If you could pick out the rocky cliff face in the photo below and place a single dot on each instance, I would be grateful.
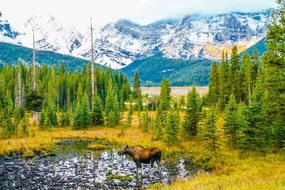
(119, 44)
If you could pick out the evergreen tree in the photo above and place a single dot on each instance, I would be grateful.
(246, 79)
(159, 124)
(274, 61)
(192, 113)
(42, 119)
(222, 83)
(97, 112)
(172, 127)
(252, 132)
(111, 107)
(25, 129)
(255, 66)
(81, 115)
(51, 117)
(145, 121)
(210, 134)
(231, 124)
(137, 85)
(214, 84)
(235, 73)
(165, 97)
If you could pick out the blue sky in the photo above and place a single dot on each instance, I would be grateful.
(78, 12)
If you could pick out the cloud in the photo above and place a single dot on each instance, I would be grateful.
(78, 12)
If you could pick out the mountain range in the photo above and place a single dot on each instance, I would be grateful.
(126, 45)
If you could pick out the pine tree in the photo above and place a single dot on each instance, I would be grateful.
(51, 117)
(210, 134)
(235, 73)
(137, 85)
(192, 113)
(25, 128)
(165, 97)
(145, 121)
(214, 84)
(172, 127)
(252, 132)
(222, 83)
(246, 82)
(255, 66)
(81, 116)
(231, 124)
(159, 124)
(97, 112)
(85, 112)
(274, 61)
(111, 107)
(42, 119)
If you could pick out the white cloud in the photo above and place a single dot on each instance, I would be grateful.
(78, 12)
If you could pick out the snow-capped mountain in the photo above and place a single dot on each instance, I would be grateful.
(50, 35)
(7, 33)
(119, 44)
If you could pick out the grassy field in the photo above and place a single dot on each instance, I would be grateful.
(231, 169)
(175, 91)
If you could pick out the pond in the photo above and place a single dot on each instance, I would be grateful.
(73, 166)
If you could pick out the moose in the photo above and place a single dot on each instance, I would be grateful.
(143, 155)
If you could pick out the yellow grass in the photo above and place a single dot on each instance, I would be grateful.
(45, 139)
(253, 173)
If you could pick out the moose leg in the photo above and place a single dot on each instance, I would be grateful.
(159, 168)
(140, 166)
(151, 167)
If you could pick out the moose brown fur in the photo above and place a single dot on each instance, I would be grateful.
(143, 155)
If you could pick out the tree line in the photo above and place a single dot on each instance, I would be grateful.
(61, 98)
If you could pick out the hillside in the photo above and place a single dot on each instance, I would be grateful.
(179, 72)
(10, 54)
(259, 46)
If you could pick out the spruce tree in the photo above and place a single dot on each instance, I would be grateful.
(255, 66)
(111, 107)
(192, 113)
(165, 97)
(222, 83)
(231, 123)
(97, 112)
(25, 128)
(81, 115)
(274, 61)
(214, 84)
(172, 127)
(159, 124)
(235, 73)
(137, 85)
(252, 132)
(42, 119)
(246, 82)
(210, 134)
